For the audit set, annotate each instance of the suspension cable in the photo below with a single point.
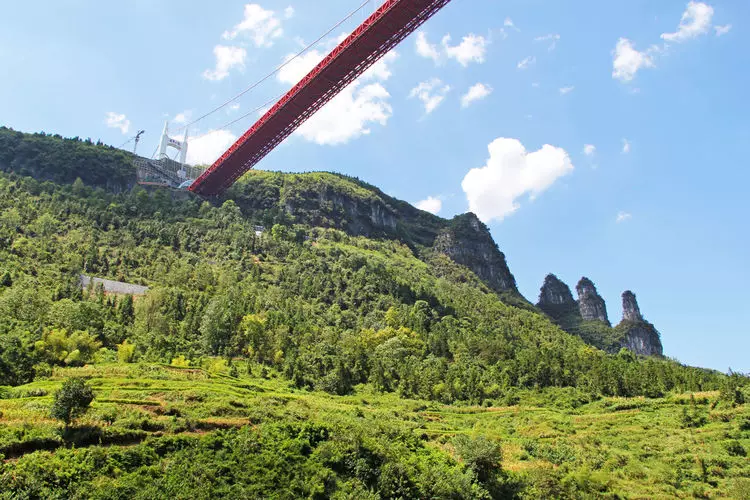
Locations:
(278, 68)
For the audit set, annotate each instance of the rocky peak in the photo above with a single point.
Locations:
(630, 309)
(638, 335)
(468, 242)
(554, 293)
(590, 303)
(556, 300)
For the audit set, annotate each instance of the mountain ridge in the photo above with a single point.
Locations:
(328, 200)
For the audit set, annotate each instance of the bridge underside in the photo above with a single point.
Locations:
(382, 31)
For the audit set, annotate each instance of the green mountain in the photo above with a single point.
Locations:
(352, 346)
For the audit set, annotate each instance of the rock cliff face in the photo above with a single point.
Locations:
(330, 200)
(590, 303)
(468, 242)
(587, 318)
(638, 335)
(630, 309)
(555, 297)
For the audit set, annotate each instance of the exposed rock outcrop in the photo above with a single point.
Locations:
(637, 334)
(331, 200)
(630, 309)
(468, 242)
(555, 297)
(590, 303)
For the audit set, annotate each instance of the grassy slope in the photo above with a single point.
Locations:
(150, 422)
(634, 447)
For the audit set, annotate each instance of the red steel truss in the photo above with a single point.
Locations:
(381, 32)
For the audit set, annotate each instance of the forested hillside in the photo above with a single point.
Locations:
(319, 310)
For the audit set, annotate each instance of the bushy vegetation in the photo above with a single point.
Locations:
(318, 317)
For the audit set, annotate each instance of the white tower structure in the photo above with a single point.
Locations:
(168, 142)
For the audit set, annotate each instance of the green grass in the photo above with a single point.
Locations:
(634, 447)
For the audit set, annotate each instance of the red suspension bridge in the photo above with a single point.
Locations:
(382, 31)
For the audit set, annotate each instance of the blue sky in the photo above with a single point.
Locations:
(618, 130)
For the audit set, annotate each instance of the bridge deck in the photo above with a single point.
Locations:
(383, 30)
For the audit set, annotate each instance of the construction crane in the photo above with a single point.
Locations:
(376, 36)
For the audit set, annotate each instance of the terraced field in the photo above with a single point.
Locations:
(626, 447)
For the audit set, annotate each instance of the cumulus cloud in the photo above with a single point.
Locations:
(183, 118)
(723, 30)
(526, 63)
(625, 146)
(696, 21)
(628, 61)
(289, 12)
(261, 26)
(426, 49)
(552, 38)
(353, 111)
(227, 58)
(471, 49)
(206, 149)
(566, 90)
(431, 204)
(475, 93)
(589, 150)
(431, 93)
(511, 173)
(623, 217)
(115, 120)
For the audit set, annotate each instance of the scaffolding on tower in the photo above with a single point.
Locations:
(163, 170)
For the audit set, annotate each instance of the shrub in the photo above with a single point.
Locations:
(125, 352)
(735, 449)
(72, 400)
(480, 454)
(180, 362)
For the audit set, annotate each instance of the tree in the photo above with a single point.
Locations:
(16, 361)
(72, 400)
(125, 352)
(480, 454)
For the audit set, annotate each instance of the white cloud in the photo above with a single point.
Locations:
(509, 23)
(350, 114)
(536, 85)
(233, 107)
(589, 150)
(183, 118)
(623, 217)
(476, 92)
(227, 57)
(206, 149)
(567, 90)
(259, 25)
(552, 38)
(696, 21)
(628, 61)
(114, 120)
(723, 30)
(527, 62)
(431, 204)
(289, 12)
(431, 93)
(625, 146)
(426, 49)
(493, 191)
(471, 49)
